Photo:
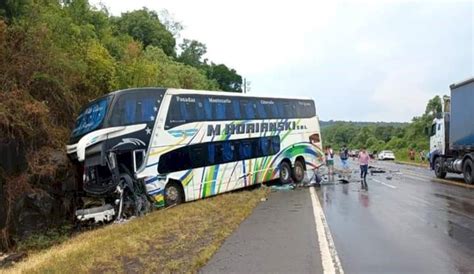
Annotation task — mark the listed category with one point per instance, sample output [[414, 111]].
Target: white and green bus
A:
[[149, 146]]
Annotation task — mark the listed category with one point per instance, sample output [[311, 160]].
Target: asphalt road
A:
[[407, 222]]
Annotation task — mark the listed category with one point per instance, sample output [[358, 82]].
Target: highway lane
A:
[[406, 222]]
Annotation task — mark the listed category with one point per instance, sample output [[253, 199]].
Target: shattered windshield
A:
[[91, 117]]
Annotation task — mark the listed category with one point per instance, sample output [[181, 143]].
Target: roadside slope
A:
[[180, 239]]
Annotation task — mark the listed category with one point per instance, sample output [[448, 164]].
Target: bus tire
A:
[[298, 172], [439, 168], [285, 173], [174, 194], [468, 171]]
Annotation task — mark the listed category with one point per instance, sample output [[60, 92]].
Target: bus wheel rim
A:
[[172, 194], [299, 172], [284, 173]]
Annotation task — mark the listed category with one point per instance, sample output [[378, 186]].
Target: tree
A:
[[434, 106], [192, 52], [228, 79], [145, 26]]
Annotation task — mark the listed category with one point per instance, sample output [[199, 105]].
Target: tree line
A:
[[398, 137]]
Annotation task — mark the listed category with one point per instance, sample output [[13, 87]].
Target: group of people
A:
[[423, 155], [363, 157]]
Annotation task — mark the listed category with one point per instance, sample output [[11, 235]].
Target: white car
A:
[[386, 155]]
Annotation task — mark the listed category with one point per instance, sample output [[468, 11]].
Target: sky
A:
[[378, 60]]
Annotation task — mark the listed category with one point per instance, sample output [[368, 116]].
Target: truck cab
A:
[[452, 133], [437, 137]]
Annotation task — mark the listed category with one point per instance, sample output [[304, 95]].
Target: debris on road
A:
[[283, 187], [373, 170]]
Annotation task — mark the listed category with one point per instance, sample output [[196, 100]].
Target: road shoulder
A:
[[278, 237]]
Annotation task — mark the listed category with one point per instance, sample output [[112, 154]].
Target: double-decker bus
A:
[[144, 147]]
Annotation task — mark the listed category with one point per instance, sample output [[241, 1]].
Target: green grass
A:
[[43, 240], [178, 239]]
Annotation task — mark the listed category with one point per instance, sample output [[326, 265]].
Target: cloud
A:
[[401, 94]]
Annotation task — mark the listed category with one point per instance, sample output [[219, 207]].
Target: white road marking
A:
[[385, 184], [329, 257]]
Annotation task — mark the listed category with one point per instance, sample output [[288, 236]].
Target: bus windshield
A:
[[91, 117], [136, 107]]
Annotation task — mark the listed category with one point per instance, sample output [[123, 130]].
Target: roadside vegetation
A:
[[179, 239], [57, 55], [397, 137]]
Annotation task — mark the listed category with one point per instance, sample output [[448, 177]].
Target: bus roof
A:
[[174, 91]]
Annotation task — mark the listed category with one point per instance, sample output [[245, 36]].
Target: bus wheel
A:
[[468, 170], [439, 169], [173, 194], [298, 172], [285, 173]]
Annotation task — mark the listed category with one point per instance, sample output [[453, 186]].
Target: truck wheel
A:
[[173, 194], [285, 173], [439, 169], [468, 170], [298, 172]]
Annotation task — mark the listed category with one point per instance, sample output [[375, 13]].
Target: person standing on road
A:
[[330, 161], [364, 159], [344, 157]]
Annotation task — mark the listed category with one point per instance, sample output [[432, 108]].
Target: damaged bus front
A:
[[108, 146]]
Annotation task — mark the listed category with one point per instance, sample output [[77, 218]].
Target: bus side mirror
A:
[[314, 138], [427, 132]]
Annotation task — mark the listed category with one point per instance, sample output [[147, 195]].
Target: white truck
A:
[[452, 134]]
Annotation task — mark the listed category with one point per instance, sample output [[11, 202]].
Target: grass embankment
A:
[[413, 163], [402, 158], [179, 239]]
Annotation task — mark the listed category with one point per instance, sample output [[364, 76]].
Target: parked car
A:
[[386, 155], [353, 153]]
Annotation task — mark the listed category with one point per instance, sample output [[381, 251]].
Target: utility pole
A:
[[246, 86]]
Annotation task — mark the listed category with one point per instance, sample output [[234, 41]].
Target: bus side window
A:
[[262, 114], [236, 107], [207, 109], [300, 109], [265, 145], [275, 144], [198, 156], [293, 107], [175, 160], [311, 109], [200, 112], [256, 149], [220, 111], [188, 111], [245, 150], [211, 152], [228, 152], [248, 109], [272, 111]]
